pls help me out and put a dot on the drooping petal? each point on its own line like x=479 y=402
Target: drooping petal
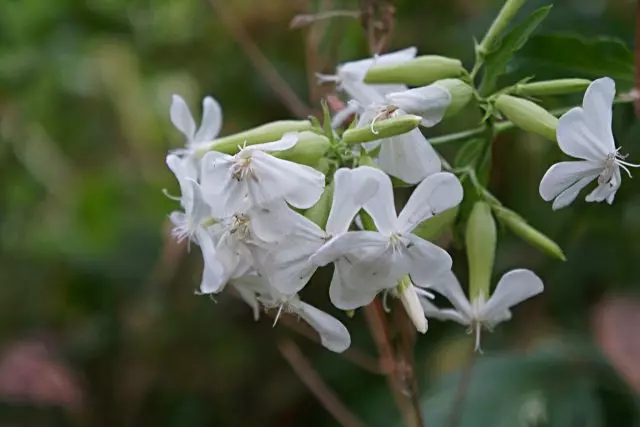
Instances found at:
x=352 y=242
x=409 y=157
x=381 y=206
x=363 y=93
x=431 y=311
x=300 y=185
x=597 y=105
x=249 y=297
x=427 y=261
x=447 y=285
x=607 y=190
x=272 y=223
x=348 y=294
x=513 y=288
x=563 y=175
x=569 y=195
x=287 y=141
x=360 y=67
x=211 y=121
x=352 y=188
x=435 y=194
x=333 y=334
x=215 y=274
x=415 y=312
x=181 y=117
x=430 y=102
x=341 y=116
x=576 y=137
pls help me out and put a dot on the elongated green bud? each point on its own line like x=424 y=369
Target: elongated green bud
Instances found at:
x=419 y=71
x=461 y=94
x=552 y=87
x=481 y=240
x=521 y=228
x=381 y=129
x=308 y=150
x=266 y=133
x=319 y=213
x=436 y=226
x=528 y=115
x=506 y=15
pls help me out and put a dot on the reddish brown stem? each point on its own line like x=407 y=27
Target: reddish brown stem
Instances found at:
x=636 y=103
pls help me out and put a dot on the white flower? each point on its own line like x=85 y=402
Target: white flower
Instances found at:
x=378 y=259
x=333 y=334
x=183 y=121
x=287 y=263
x=585 y=132
x=513 y=288
x=255 y=178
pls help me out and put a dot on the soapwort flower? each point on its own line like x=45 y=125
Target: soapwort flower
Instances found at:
x=183 y=120
x=585 y=132
x=512 y=289
x=253 y=177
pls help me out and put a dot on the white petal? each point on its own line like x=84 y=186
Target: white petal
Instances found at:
x=569 y=195
x=607 y=190
x=411 y=303
x=360 y=68
x=351 y=189
x=273 y=222
x=352 y=242
x=597 y=105
x=381 y=206
x=341 y=116
x=347 y=294
x=249 y=297
x=211 y=121
x=430 y=102
x=409 y=157
x=435 y=194
x=427 y=261
x=287 y=141
x=576 y=137
x=513 y=288
x=301 y=186
x=215 y=172
x=363 y=93
x=215 y=275
x=447 y=285
x=563 y=175
x=181 y=117
x=431 y=311
x=333 y=334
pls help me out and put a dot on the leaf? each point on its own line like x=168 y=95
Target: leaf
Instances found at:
x=468 y=154
x=600 y=56
x=496 y=61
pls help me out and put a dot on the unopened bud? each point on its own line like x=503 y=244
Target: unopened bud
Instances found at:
x=266 y=133
x=411 y=304
x=437 y=225
x=552 y=87
x=520 y=227
x=528 y=115
x=461 y=94
x=480 y=240
x=381 y=129
x=308 y=150
x=419 y=71
x=319 y=213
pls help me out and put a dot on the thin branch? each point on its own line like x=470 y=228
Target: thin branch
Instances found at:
x=310 y=377
x=260 y=62
x=457 y=408
x=637 y=54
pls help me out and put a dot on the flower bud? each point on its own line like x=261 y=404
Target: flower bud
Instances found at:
x=319 y=213
x=520 y=227
x=266 y=133
x=308 y=150
x=480 y=240
x=381 y=129
x=528 y=116
x=411 y=303
x=461 y=94
x=552 y=87
x=435 y=226
x=419 y=71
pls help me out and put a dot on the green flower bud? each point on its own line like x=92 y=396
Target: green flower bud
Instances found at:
x=506 y=15
x=319 y=213
x=308 y=150
x=419 y=71
x=552 y=87
x=480 y=240
x=266 y=133
x=436 y=226
x=520 y=227
x=383 y=129
x=528 y=116
x=461 y=94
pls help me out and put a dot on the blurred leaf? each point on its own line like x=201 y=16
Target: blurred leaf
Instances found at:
x=496 y=61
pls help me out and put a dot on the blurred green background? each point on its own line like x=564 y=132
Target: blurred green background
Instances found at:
x=99 y=325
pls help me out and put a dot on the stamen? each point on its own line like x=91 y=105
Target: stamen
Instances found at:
x=424 y=293
x=278 y=315
x=172 y=197
x=478 y=331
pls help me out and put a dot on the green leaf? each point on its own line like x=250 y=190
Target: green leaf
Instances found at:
x=496 y=61
x=588 y=57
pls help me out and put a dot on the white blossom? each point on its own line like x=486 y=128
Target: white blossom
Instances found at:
x=183 y=120
x=585 y=133
x=376 y=260
x=513 y=288
x=253 y=177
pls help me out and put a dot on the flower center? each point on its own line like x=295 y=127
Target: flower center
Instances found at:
x=613 y=161
x=241 y=169
x=383 y=114
x=396 y=243
x=240 y=226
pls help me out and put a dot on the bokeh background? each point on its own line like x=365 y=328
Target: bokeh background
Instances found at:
x=99 y=325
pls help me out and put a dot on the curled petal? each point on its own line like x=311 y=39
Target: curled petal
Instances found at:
x=333 y=334
x=563 y=176
x=430 y=102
